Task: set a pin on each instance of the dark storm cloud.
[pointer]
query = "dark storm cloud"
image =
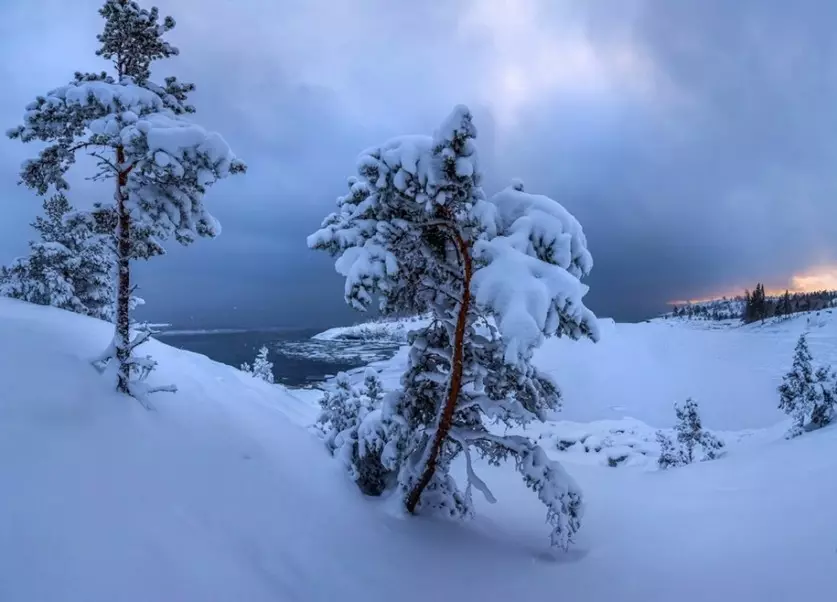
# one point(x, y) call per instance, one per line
point(694, 140)
point(720, 172)
point(758, 87)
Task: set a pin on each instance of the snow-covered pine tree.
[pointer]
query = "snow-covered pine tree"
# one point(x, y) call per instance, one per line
point(416, 231)
point(368, 469)
point(748, 311)
point(671, 454)
point(262, 367)
point(43, 277)
point(69, 267)
point(350, 422)
point(691, 434)
point(336, 410)
point(373, 388)
point(798, 392)
point(159, 163)
point(93, 280)
point(825, 404)
point(688, 428)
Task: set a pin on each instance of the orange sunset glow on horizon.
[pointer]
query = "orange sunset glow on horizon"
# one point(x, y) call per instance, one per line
point(817, 278)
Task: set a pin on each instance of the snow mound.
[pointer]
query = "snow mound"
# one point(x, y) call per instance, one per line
point(221, 494)
point(395, 330)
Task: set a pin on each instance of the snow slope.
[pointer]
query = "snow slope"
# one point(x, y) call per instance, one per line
point(221, 494)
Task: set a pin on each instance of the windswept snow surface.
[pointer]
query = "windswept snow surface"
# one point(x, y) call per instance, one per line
point(222, 494)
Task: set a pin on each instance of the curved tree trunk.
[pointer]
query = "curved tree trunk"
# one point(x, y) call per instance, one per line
point(446, 415)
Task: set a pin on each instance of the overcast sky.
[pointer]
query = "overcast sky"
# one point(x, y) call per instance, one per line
point(695, 140)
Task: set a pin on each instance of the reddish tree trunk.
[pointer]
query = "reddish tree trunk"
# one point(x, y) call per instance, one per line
point(446, 417)
point(122, 335)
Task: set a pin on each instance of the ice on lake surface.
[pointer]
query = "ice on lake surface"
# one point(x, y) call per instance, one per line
point(298, 359)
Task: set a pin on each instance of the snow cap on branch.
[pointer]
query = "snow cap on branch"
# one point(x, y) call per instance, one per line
point(532, 270)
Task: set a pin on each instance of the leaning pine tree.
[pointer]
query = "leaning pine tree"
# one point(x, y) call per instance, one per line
point(159, 163)
point(416, 231)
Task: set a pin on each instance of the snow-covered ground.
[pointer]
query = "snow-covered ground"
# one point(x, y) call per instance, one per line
point(223, 494)
point(639, 370)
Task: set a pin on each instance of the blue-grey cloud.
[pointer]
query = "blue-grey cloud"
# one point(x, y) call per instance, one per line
point(694, 140)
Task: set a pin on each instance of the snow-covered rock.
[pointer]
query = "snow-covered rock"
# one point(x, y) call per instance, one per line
point(395, 329)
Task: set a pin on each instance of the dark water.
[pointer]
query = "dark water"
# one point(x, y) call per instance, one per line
point(297, 359)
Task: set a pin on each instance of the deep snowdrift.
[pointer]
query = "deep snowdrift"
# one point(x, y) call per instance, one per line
point(221, 494)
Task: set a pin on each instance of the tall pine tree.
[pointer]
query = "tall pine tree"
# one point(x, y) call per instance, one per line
point(159, 163)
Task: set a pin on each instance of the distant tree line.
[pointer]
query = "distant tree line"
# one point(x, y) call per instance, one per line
point(702, 311)
point(757, 306)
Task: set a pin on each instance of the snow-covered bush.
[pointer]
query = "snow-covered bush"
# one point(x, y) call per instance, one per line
point(262, 367)
point(350, 421)
point(496, 277)
point(159, 163)
point(690, 437)
point(807, 395)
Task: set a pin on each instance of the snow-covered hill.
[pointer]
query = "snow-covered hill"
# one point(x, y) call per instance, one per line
point(222, 494)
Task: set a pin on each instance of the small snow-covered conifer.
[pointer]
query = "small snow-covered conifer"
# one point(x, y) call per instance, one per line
point(336, 411)
point(798, 392)
point(372, 387)
point(823, 411)
point(350, 420)
point(368, 437)
point(43, 277)
point(808, 395)
point(159, 163)
point(691, 434)
point(690, 437)
point(372, 475)
point(262, 367)
point(496, 277)
point(671, 454)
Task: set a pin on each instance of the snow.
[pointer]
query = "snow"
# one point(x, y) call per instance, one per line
point(394, 330)
point(523, 291)
point(530, 280)
point(223, 494)
point(537, 220)
point(636, 372)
